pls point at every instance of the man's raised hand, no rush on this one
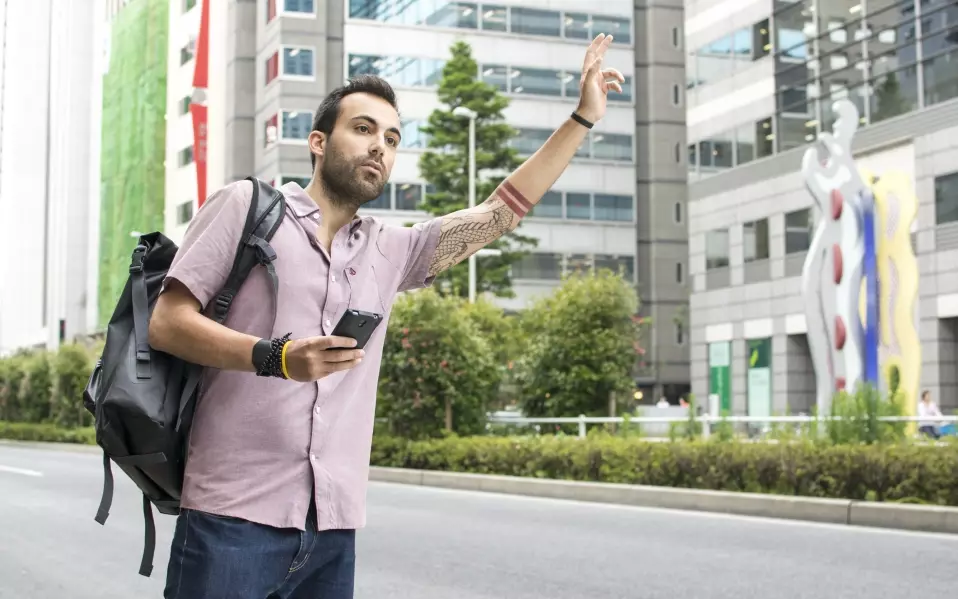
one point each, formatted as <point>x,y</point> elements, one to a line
<point>596,81</point>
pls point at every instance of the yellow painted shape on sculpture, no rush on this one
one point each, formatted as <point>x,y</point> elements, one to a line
<point>896,250</point>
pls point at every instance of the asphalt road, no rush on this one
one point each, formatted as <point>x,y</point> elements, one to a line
<point>439,544</point>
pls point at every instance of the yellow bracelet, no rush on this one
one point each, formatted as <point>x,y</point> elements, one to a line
<point>283,360</point>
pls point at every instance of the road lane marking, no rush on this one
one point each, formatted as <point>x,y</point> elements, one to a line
<point>22,471</point>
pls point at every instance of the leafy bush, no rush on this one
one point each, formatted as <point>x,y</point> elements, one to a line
<point>583,341</point>
<point>914,473</point>
<point>855,417</point>
<point>436,366</point>
<point>40,386</point>
<point>46,433</point>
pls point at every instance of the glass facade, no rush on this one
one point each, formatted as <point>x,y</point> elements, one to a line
<point>598,146</point>
<point>520,20</point>
<point>542,266</point>
<point>513,79</point>
<point>890,57</point>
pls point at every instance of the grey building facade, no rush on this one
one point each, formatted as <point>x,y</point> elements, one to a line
<point>661,190</point>
<point>751,217</point>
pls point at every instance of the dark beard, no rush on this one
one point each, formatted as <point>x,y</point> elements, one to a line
<point>345,183</point>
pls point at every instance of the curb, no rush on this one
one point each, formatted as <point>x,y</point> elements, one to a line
<point>810,509</point>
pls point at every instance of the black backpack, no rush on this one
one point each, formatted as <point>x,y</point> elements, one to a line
<point>142,399</point>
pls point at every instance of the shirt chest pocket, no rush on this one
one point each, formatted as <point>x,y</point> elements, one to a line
<point>363,289</point>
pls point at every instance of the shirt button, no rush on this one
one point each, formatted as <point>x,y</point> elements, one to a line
<point>317,410</point>
<point>333,277</point>
<point>327,323</point>
<point>312,456</point>
<point>315,217</point>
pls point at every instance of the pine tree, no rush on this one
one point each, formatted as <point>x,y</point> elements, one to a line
<point>446,168</point>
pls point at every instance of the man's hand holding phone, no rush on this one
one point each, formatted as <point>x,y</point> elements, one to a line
<point>315,358</point>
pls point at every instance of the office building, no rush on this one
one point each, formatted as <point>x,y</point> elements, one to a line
<point>271,62</point>
<point>49,149</point>
<point>761,79</point>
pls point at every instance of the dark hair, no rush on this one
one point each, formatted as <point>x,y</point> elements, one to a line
<point>328,111</point>
<point>925,393</point>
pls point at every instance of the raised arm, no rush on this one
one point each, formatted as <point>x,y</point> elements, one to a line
<point>465,232</point>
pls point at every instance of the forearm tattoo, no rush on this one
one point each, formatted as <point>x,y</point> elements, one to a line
<point>466,232</point>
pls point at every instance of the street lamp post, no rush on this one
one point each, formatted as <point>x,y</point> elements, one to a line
<point>462,111</point>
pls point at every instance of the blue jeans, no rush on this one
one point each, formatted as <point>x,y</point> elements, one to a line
<point>216,557</point>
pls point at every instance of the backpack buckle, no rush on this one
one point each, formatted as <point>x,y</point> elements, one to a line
<point>136,265</point>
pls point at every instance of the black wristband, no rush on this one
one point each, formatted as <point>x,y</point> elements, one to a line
<point>273,364</point>
<point>581,121</point>
<point>261,351</point>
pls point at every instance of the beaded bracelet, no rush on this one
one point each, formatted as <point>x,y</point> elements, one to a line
<point>275,364</point>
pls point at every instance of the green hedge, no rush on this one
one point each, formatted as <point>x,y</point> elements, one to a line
<point>47,433</point>
<point>901,472</point>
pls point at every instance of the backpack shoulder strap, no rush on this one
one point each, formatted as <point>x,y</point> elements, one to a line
<point>266,212</point>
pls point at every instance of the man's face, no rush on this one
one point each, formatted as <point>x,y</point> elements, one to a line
<point>355,161</point>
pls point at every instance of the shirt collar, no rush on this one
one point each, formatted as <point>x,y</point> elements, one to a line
<point>303,206</point>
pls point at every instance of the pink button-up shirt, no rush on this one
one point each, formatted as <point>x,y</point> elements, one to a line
<point>262,448</point>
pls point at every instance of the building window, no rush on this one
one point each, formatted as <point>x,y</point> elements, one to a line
<point>678,152</point>
<point>299,62</point>
<point>798,231</point>
<point>676,95</point>
<point>538,266</point>
<point>541,82</point>
<point>620,265</point>
<point>612,146</point>
<point>408,196</point>
<point>397,70</point>
<point>620,29</point>
<point>614,207</point>
<point>185,105</point>
<point>188,51</point>
<point>493,17</point>
<point>272,67</point>
<point>946,199</point>
<point>756,240</point>
<point>271,9</point>
<point>299,7</point>
<point>186,156</point>
<point>676,42</point>
<point>679,333</point>
<point>412,135</point>
<point>188,5</point>
<point>531,21</point>
<point>550,206</point>
<point>184,213</point>
<point>677,214</point>
<point>716,249</point>
<point>679,275</point>
<point>297,124</point>
<point>578,206</point>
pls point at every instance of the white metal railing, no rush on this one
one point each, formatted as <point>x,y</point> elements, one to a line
<point>706,420</point>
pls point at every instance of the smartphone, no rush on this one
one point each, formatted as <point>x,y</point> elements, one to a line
<point>357,325</point>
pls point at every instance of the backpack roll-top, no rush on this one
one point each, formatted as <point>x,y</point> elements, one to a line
<point>142,399</point>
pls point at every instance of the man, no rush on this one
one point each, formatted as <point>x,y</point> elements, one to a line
<point>926,411</point>
<point>275,481</point>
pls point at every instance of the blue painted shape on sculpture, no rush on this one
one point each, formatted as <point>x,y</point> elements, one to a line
<point>870,273</point>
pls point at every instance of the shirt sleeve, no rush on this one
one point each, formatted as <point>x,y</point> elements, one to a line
<point>416,247</point>
<point>205,256</point>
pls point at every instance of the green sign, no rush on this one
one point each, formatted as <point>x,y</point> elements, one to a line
<point>759,385</point>
<point>720,374</point>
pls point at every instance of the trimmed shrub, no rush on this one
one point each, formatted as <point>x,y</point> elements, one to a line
<point>902,472</point>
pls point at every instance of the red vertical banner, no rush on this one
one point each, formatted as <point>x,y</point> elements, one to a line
<point>198,107</point>
<point>199,149</point>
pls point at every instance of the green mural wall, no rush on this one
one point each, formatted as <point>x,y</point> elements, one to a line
<point>132,174</point>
